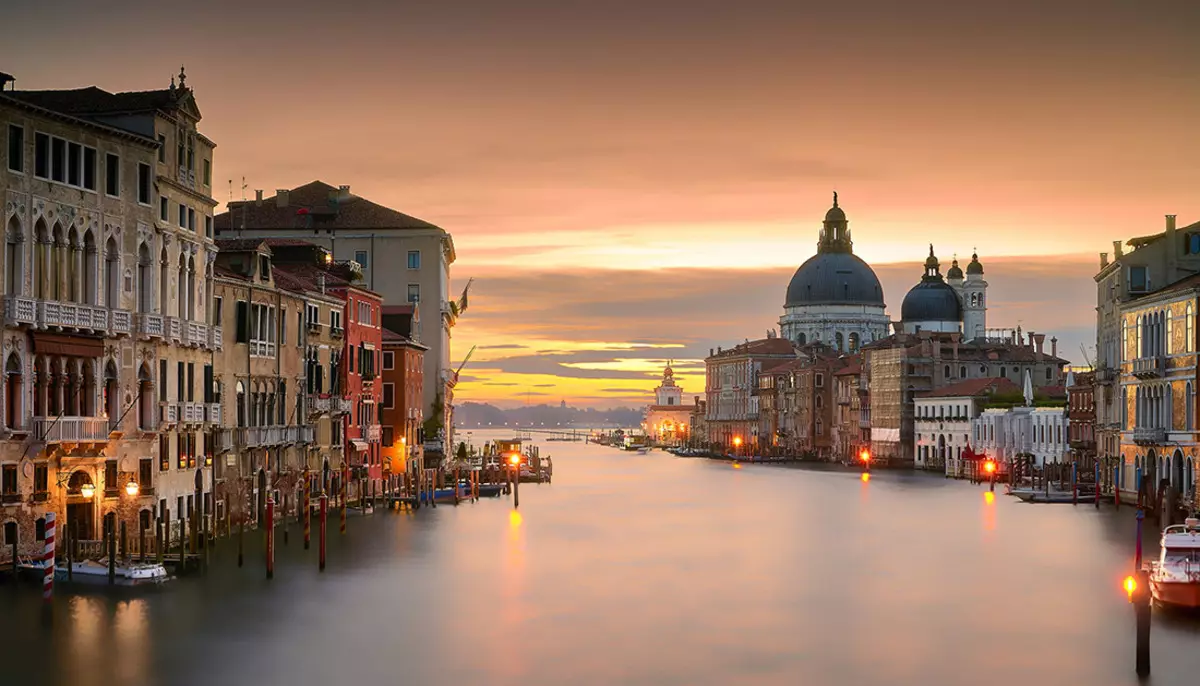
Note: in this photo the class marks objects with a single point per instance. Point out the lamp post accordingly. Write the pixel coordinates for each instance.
(737, 447)
(515, 461)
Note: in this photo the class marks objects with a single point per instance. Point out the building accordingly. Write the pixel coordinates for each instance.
(379, 239)
(947, 305)
(1158, 389)
(698, 423)
(667, 420)
(1081, 419)
(1010, 434)
(107, 282)
(260, 374)
(731, 382)
(834, 297)
(1156, 260)
(943, 422)
(851, 424)
(403, 391)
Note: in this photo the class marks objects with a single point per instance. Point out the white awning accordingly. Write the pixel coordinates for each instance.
(360, 446)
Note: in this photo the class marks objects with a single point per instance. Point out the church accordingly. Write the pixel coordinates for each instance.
(666, 421)
(836, 299)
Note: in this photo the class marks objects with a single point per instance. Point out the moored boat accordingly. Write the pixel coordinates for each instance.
(96, 572)
(1175, 576)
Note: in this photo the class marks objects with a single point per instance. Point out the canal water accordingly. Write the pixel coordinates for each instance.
(640, 569)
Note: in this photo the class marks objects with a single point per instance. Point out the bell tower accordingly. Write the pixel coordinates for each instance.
(974, 301)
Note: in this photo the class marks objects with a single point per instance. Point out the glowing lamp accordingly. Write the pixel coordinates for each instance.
(514, 459)
(1130, 585)
(865, 456)
(989, 467)
(87, 491)
(737, 441)
(131, 489)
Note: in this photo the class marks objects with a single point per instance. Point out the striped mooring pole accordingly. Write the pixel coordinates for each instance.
(48, 559)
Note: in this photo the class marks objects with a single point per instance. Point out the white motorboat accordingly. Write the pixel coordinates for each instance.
(96, 572)
(1175, 576)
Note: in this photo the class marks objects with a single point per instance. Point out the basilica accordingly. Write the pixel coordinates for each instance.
(836, 299)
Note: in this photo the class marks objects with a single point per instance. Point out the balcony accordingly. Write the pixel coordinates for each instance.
(192, 412)
(1149, 367)
(71, 429)
(313, 326)
(149, 325)
(307, 434)
(318, 404)
(339, 405)
(215, 338)
(195, 335)
(337, 331)
(1149, 435)
(262, 349)
(18, 310)
(186, 177)
(374, 432)
(71, 316)
(120, 322)
(175, 329)
(223, 440)
(1105, 375)
(169, 413)
(212, 413)
(266, 436)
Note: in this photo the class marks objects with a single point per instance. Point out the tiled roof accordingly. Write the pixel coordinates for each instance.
(306, 276)
(93, 100)
(974, 387)
(310, 206)
(220, 270)
(762, 346)
(238, 244)
(853, 366)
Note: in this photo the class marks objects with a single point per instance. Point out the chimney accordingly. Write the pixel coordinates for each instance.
(1039, 339)
(1116, 250)
(1170, 224)
(710, 352)
(321, 282)
(343, 193)
(1103, 260)
(1054, 346)
(282, 197)
(258, 198)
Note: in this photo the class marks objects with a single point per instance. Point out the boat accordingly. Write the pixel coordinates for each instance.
(1047, 496)
(96, 572)
(1175, 576)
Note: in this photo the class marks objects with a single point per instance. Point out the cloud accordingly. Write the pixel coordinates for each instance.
(501, 346)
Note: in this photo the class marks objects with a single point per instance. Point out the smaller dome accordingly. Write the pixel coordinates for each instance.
(974, 267)
(835, 213)
(931, 301)
(954, 272)
(931, 262)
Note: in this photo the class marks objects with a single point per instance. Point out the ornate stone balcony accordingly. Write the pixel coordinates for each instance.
(120, 322)
(18, 310)
(193, 412)
(339, 405)
(1149, 435)
(149, 325)
(215, 338)
(212, 413)
(318, 404)
(1148, 367)
(71, 429)
(175, 329)
(51, 313)
(374, 432)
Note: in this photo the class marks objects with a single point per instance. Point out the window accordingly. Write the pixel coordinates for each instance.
(58, 159)
(364, 313)
(335, 320)
(414, 293)
(164, 212)
(264, 267)
(360, 256)
(164, 452)
(143, 184)
(385, 436)
(208, 226)
(207, 172)
(242, 323)
(183, 210)
(16, 148)
(89, 168)
(191, 219)
(414, 259)
(41, 479)
(299, 328)
(312, 316)
(10, 479)
(191, 381)
(218, 301)
(145, 474)
(110, 479)
(162, 380)
(283, 328)
(162, 147)
(389, 360)
(74, 164)
(389, 396)
(820, 381)
(41, 155)
(1139, 280)
(112, 175)
(179, 381)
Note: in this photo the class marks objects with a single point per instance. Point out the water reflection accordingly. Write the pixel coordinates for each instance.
(641, 569)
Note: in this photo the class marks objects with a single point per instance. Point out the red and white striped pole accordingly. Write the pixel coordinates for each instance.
(48, 559)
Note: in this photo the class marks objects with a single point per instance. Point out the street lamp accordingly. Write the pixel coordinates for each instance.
(737, 446)
(131, 489)
(87, 491)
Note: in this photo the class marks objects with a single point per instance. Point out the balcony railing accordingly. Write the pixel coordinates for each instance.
(120, 322)
(339, 405)
(175, 329)
(71, 315)
(337, 331)
(212, 413)
(169, 412)
(18, 310)
(374, 432)
(318, 404)
(223, 440)
(266, 436)
(1147, 435)
(71, 429)
(1105, 375)
(195, 334)
(150, 325)
(187, 177)
(1148, 367)
(193, 412)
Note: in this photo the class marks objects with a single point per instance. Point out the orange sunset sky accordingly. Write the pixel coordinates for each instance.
(630, 182)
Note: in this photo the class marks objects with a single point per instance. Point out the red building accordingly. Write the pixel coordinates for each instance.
(1081, 416)
(403, 388)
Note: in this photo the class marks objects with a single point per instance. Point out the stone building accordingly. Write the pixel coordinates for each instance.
(1081, 418)
(731, 379)
(402, 258)
(851, 423)
(1154, 261)
(403, 391)
(666, 421)
(1009, 434)
(107, 335)
(946, 305)
(1158, 384)
(834, 297)
(943, 422)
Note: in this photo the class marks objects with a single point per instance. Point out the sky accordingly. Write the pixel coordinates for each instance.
(634, 181)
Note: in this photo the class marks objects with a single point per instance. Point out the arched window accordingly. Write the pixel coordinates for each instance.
(240, 390)
(1139, 350)
(1189, 330)
(838, 341)
(12, 393)
(801, 339)
(112, 275)
(57, 248)
(946, 371)
(73, 253)
(962, 371)
(91, 266)
(1169, 344)
(14, 260)
(145, 398)
(191, 288)
(41, 254)
(855, 341)
(163, 280)
(181, 286)
(145, 278)
(87, 394)
(1049, 373)
(112, 400)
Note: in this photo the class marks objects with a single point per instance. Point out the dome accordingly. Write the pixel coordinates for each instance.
(931, 301)
(835, 214)
(834, 278)
(954, 272)
(974, 267)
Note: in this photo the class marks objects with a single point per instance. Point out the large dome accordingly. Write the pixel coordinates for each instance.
(931, 301)
(834, 278)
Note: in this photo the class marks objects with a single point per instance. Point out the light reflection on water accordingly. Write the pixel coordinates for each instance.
(641, 569)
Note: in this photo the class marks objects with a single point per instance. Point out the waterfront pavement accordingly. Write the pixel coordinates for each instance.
(641, 569)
